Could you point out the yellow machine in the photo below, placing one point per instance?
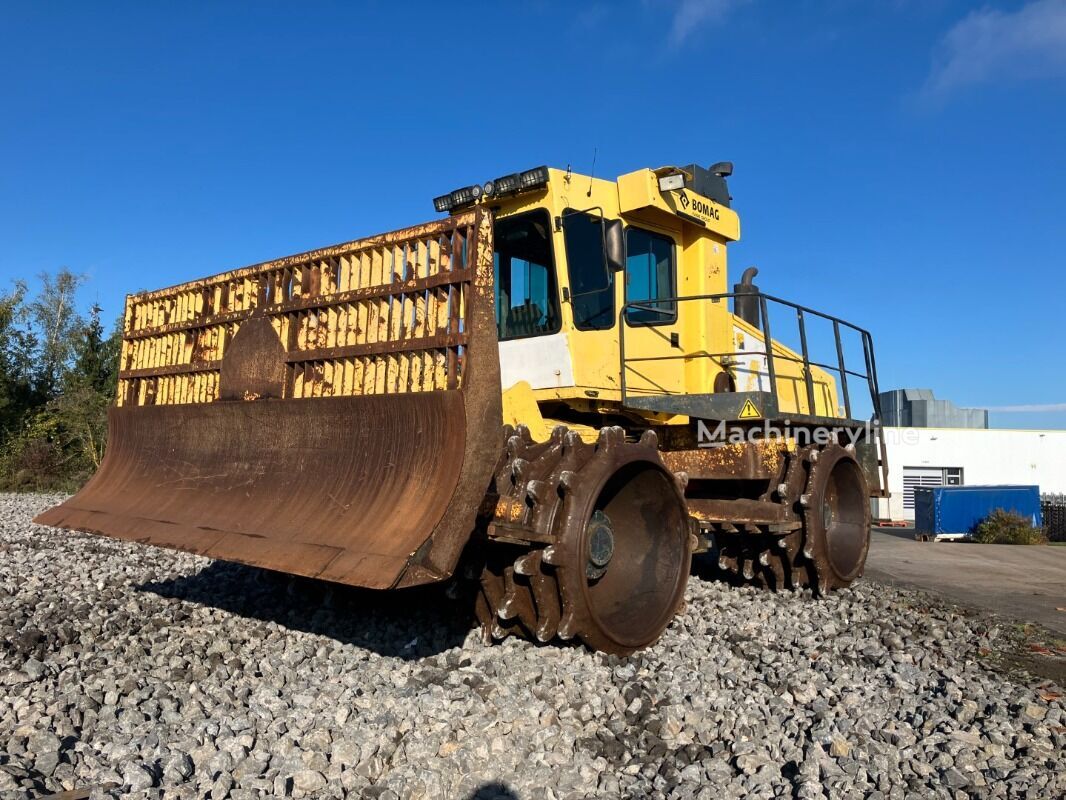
(555, 385)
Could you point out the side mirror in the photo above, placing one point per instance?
(614, 245)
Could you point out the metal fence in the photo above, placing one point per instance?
(1053, 508)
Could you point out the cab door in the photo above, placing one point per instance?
(528, 319)
(591, 296)
(654, 359)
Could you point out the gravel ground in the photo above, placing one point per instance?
(166, 675)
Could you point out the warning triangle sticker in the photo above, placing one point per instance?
(749, 411)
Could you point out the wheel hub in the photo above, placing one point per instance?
(601, 545)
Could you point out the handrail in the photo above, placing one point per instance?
(802, 312)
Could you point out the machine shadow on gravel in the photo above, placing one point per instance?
(705, 567)
(493, 791)
(410, 624)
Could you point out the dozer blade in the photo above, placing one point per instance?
(333, 414)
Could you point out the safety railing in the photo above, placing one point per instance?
(771, 353)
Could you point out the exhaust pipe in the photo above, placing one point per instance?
(746, 303)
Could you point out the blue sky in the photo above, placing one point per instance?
(901, 164)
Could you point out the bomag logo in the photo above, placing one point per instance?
(698, 207)
(705, 209)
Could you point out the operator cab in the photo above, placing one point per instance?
(571, 251)
(557, 248)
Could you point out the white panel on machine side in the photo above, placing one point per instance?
(543, 361)
(750, 370)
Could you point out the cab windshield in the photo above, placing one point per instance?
(527, 302)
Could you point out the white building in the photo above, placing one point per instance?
(970, 457)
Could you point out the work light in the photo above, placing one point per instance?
(443, 203)
(532, 178)
(669, 182)
(466, 195)
(508, 184)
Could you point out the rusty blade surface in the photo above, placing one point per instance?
(377, 489)
(340, 488)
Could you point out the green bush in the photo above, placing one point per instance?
(1008, 527)
(32, 455)
(59, 446)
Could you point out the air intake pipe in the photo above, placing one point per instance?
(746, 302)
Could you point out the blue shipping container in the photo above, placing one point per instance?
(959, 509)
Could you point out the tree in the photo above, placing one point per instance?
(95, 358)
(17, 346)
(80, 411)
(55, 316)
(58, 373)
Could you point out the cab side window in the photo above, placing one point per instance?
(527, 301)
(591, 285)
(650, 275)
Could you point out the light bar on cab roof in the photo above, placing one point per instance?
(515, 183)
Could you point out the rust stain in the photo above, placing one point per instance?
(733, 460)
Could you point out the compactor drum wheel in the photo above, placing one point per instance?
(588, 541)
(827, 488)
(836, 519)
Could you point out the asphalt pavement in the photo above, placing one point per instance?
(1023, 583)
